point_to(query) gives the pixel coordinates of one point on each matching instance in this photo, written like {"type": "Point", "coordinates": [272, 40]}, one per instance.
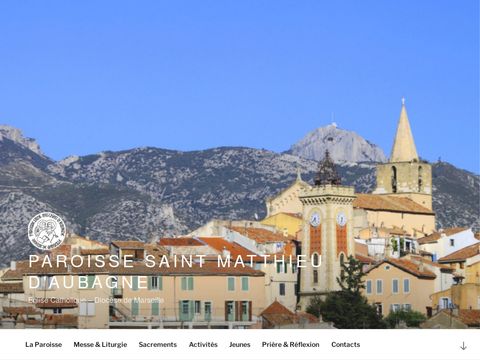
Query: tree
{"type": "Point", "coordinates": [347, 308]}
{"type": "Point", "coordinates": [410, 317]}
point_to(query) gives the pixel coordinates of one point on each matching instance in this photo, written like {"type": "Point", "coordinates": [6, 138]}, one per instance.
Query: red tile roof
{"type": "Point", "coordinates": [220, 244]}
{"type": "Point", "coordinates": [99, 251]}
{"type": "Point", "coordinates": [129, 244]}
{"type": "Point", "coordinates": [435, 236]}
{"type": "Point", "coordinates": [20, 310]}
{"type": "Point", "coordinates": [261, 235]}
{"type": "Point", "coordinates": [180, 241]}
{"type": "Point", "coordinates": [462, 254]}
{"type": "Point", "coordinates": [389, 203]}
{"type": "Point", "coordinates": [407, 266]}
{"type": "Point", "coordinates": [50, 303]}
{"type": "Point", "coordinates": [11, 287]}
{"type": "Point", "coordinates": [277, 315]}
{"type": "Point", "coordinates": [61, 320]}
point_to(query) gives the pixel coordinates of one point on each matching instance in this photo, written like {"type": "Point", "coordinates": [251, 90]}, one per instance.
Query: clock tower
{"type": "Point", "coordinates": [328, 232]}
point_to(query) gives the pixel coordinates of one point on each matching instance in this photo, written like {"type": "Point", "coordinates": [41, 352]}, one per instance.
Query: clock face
{"type": "Point", "coordinates": [341, 219]}
{"type": "Point", "coordinates": [315, 219]}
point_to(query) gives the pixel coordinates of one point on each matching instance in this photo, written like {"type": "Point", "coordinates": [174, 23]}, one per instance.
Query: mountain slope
{"type": "Point", "coordinates": [343, 145]}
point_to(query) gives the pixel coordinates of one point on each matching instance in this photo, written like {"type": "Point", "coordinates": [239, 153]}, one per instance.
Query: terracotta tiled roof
{"type": "Point", "coordinates": [16, 274]}
{"type": "Point", "coordinates": [156, 250]}
{"type": "Point", "coordinates": [277, 315]}
{"type": "Point", "coordinates": [63, 249]}
{"type": "Point", "coordinates": [20, 310]}
{"type": "Point", "coordinates": [61, 320]}
{"type": "Point", "coordinates": [129, 244]}
{"type": "Point", "coordinates": [468, 317]}
{"type": "Point", "coordinates": [389, 203]}
{"type": "Point", "coordinates": [361, 249]}
{"type": "Point", "coordinates": [261, 235]}
{"type": "Point", "coordinates": [364, 259]}
{"type": "Point", "coordinates": [99, 251]}
{"type": "Point", "coordinates": [11, 288]}
{"type": "Point", "coordinates": [219, 244]}
{"type": "Point", "coordinates": [435, 236]}
{"type": "Point", "coordinates": [49, 303]}
{"type": "Point", "coordinates": [418, 258]}
{"type": "Point", "coordinates": [408, 266]}
{"type": "Point", "coordinates": [180, 241]}
{"type": "Point", "coordinates": [462, 254]}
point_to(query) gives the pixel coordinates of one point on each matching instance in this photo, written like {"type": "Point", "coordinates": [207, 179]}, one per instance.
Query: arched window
{"type": "Point", "coordinates": [394, 179]}
{"type": "Point", "coordinates": [315, 260]}
{"type": "Point", "coordinates": [420, 178]}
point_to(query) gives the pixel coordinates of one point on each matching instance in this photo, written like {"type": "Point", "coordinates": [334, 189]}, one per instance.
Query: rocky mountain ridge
{"type": "Point", "coordinates": [148, 192]}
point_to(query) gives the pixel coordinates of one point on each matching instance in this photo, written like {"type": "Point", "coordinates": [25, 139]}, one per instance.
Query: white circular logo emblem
{"type": "Point", "coordinates": [46, 231]}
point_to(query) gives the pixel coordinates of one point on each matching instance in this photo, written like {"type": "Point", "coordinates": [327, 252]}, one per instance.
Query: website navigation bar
{"type": "Point", "coordinates": [240, 344]}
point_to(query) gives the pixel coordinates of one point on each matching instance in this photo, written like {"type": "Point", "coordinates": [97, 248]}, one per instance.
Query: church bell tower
{"type": "Point", "coordinates": [405, 175]}
{"type": "Point", "coordinates": [328, 231]}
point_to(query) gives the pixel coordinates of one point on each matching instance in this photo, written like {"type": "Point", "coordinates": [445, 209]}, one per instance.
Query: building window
{"type": "Point", "coordinates": [230, 311]}
{"type": "Point", "coordinates": [379, 307]}
{"type": "Point", "coordinates": [379, 287]}
{"type": "Point", "coordinates": [279, 267]}
{"type": "Point", "coordinates": [208, 310]}
{"type": "Point", "coordinates": [406, 286]}
{"type": "Point", "coordinates": [368, 287]}
{"type": "Point", "coordinates": [315, 276]}
{"type": "Point", "coordinates": [452, 242]}
{"type": "Point", "coordinates": [294, 268]}
{"type": "Point", "coordinates": [395, 307]}
{"type": "Point", "coordinates": [155, 283]}
{"type": "Point", "coordinates": [394, 179]}
{"type": "Point", "coordinates": [420, 179]}
{"type": "Point", "coordinates": [87, 308]}
{"type": "Point", "coordinates": [46, 282]}
{"type": "Point", "coordinates": [244, 283]}
{"type": "Point", "coordinates": [57, 310]}
{"type": "Point", "coordinates": [187, 283]}
{"type": "Point", "coordinates": [407, 307]}
{"type": "Point", "coordinates": [198, 306]}
{"type": "Point", "coordinates": [231, 283]}
{"type": "Point", "coordinates": [395, 286]}
{"type": "Point", "coordinates": [282, 289]}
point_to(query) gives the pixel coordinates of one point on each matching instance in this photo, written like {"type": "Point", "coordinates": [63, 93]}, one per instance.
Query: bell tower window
{"type": "Point", "coordinates": [420, 178]}
{"type": "Point", "coordinates": [394, 179]}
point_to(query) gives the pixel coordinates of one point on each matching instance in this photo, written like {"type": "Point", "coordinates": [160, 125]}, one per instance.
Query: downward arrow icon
{"type": "Point", "coordinates": [463, 347]}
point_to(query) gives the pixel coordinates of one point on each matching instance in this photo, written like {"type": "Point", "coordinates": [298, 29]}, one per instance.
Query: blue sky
{"type": "Point", "coordinates": [87, 76]}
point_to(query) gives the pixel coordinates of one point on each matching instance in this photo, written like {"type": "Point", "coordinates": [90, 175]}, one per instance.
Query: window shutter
{"type": "Point", "coordinates": [160, 283]}
{"type": "Point", "coordinates": [184, 283]}
{"type": "Point", "coordinates": [226, 310]}
{"type": "Point", "coordinates": [90, 281]}
{"type": "Point", "coordinates": [135, 283]}
{"type": "Point", "coordinates": [249, 311]}
{"type": "Point", "coordinates": [238, 310]}
{"type": "Point", "coordinates": [190, 283]}
{"type": "Point", "coordinates": [155, 308]}
{"type": "Point", "coordinates": [150, 283]}
{"type": "Point", "coordinates": [191, 309]}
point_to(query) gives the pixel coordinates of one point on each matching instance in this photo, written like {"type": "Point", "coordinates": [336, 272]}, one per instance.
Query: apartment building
{"type": "Point", "coordinates": [395, 284]}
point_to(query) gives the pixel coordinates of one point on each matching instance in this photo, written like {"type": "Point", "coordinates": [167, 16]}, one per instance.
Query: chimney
{"type": "Point", "coordinates": [13, 265]}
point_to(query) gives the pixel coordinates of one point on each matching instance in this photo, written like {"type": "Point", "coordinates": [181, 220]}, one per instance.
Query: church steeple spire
{"type": "Point", "coordinates": [403, 147]}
